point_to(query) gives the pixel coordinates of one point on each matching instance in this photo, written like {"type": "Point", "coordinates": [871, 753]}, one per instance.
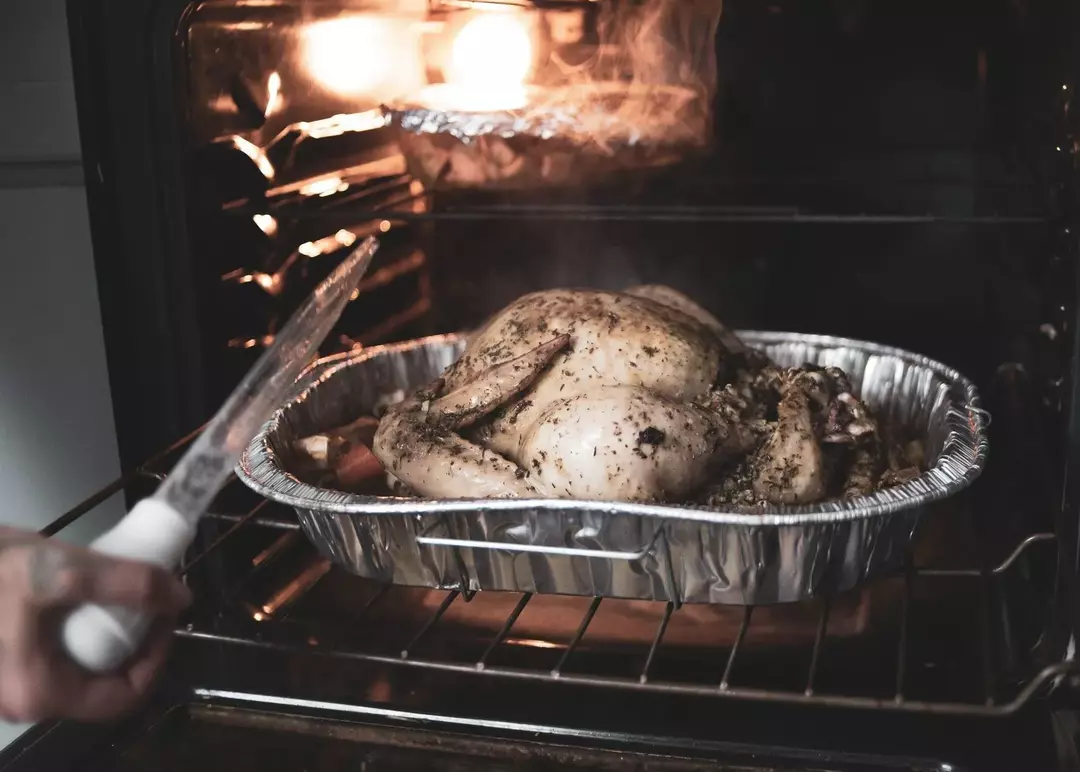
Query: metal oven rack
{"type": "Point", "coordinates": [290, 623]}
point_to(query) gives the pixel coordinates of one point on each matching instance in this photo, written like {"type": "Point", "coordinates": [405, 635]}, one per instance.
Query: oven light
{"type": "Point", "coordinates": [490, 59]}
{"type": "Point", "coordinates": [351, 55]}
{"type": "Point", "coordinates": [491, 49]}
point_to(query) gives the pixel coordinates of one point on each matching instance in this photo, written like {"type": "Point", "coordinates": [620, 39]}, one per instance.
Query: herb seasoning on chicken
{"type": "Point", "coordinates": [630, 396]}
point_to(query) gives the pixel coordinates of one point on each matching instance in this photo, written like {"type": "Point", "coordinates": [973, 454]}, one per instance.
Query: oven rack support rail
{"type": "Point", "coordinates": [987, 704]}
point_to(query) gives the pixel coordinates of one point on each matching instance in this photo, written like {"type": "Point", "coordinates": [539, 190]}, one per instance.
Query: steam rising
{"type": "Point", "coordinates": [642, 99]}
{"type": "Point", "coordinates": [664, 50]}
{"type": "Point", "coordinates": [662, 42]}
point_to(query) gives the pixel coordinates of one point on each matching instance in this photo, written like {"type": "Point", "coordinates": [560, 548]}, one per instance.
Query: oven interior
{"type": "Point", "coordinates": [901, 172]}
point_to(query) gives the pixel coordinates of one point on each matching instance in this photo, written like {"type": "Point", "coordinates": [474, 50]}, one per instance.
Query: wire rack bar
{"type": "Point", "coordinates": [1000, 568]}
{"type": "Point", "coordinates": [578, 635]}
{"type": "Point", "coordinates": [366, 606]}
{"type": "Point", "coordinates": [1039, 682]}
{"type": "Point", "coordinates": [985, 612]}
{"type": "Point", "coordinates": [221, 539]}
{"type": "Point", "coordinates": [987, 704]}
{"type": "Point", "coordinates": [645, 680]}
{"type": "Point", "coordinates": [819, 638]}
{"type": "Point", "coordinates": [285, 600]}
{"type": "Point", "coordinates": [113, 488]}
{"type": "Point", "coordinates": [276, 549]}
{"type": "Point", "coordinates": [97, 499]}
{"type": "Point", "coordinates": [274, 523]}
{"type": "Point", "coordinates": [586, 214]}
{"type": "Point", "coordinates": [660, 630]}
{"type": "Point", "coordinates": [523, 601]}
{"type": "Point", "coordinates": [725, 680]}
{"type": "Point", "coordinates": [446, 602]}
{"type": "Point", "coordinates": [905, 622]}
{"type": "Point", "coordinates": [264, 560]}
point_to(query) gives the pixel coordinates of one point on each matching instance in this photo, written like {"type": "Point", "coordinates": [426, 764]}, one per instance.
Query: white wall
{"type": "Point", "coordinates": [57, 442]}
{"type": "Point", "coordinates": [35, 82]}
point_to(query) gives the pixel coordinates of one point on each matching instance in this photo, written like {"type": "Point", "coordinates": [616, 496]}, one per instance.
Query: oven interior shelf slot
{"type": "Point", "coordinates": [716, 215]}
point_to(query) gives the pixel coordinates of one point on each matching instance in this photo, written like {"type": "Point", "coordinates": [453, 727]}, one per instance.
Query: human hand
{"type": "Point", "coordinates": [41, 581]}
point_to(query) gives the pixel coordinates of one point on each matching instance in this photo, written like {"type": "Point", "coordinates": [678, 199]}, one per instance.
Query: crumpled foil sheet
{"type": "Point", "coordinates": [684, 554]}
{"type": "Point", "coordinates": [566, 136]}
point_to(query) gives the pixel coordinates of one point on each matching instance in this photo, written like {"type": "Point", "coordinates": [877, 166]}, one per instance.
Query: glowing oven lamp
{"type": "Point", "coordinates": [356, 56]}
{"type": "Point", "coordinates": [487, 64]}
{"type": "Point", "coordinates": [490, 59]}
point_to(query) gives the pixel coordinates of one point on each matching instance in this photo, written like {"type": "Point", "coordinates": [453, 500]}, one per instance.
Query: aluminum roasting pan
{"type": "Point", "coordinates": [683, 554]}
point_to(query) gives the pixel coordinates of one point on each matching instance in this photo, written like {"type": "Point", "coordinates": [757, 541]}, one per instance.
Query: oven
{"type": "Point", "coordinates": [902, 172]}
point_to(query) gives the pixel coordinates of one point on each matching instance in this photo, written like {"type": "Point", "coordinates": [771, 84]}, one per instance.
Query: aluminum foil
{"type": "Point", "coordinates": [557, 137]}
{"type": "Point", "coordinates": [684, 554]}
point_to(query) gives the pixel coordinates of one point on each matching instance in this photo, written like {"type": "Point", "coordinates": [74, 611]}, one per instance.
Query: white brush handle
{"type": "Point", "coordinates": [102, 638]}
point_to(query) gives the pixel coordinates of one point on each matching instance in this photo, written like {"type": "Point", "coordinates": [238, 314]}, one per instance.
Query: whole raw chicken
{"type": "Point", "coordinates": [591, 394]}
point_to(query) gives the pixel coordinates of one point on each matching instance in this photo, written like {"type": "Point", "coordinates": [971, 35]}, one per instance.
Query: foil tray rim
{"type": "Point", "coordinates": [261, 469]}
{"type": "Point", "coordinates": [540, 121]}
